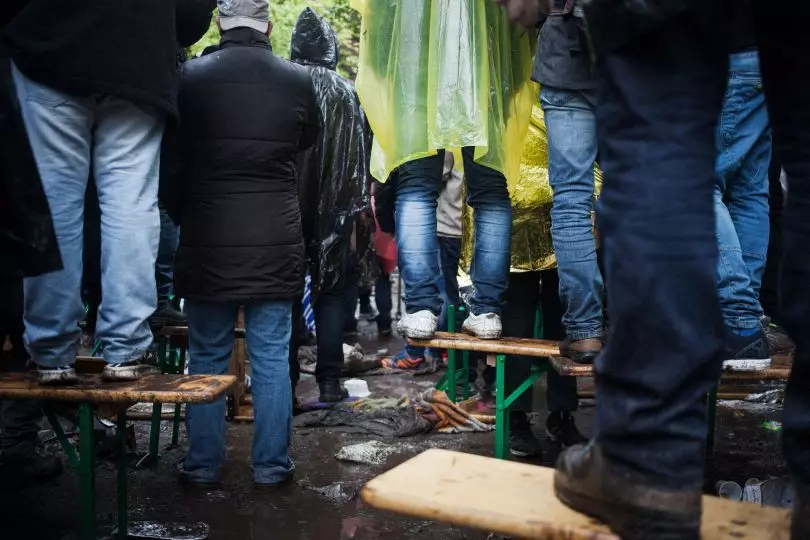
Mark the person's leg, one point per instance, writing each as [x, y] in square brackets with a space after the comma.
[351, 293]
[417, 189]
[492, 216]
[330, 311]
[769, 293]
[126, 160]
[210, 344]
[785, 58]
[59, 129]
[656, 121]
[520, 308]
[297, 322]
[268, 340]
[164, 275]
[382, 298]
[571, 127]
[561, 394]
[741, 209]
[449, 254]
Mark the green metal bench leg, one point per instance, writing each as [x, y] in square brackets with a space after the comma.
[154, 431]
[123, 507]
[501, 409]
[712, 420]
[465, 368]
[87, 472]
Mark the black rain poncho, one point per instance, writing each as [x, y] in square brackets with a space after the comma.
[28, 245]
[333, 175]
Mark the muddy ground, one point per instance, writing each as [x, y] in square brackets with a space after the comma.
[239, 511]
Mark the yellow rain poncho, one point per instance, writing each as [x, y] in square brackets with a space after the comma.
[532, 249]
[443, 74]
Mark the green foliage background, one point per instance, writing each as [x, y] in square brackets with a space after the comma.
[284, 13]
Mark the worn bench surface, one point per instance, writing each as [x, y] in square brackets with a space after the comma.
[518, 500]
[779, 370]
[151, 388]
[464, 342]
[182, 331]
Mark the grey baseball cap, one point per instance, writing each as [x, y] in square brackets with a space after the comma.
[253, 14]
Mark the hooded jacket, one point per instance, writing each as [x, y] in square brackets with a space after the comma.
[245, 115]
[334, 183]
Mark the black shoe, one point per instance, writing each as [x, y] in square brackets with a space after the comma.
[800, 523]
[332, 392]
[562, 429]
[581, 351]
[131, 371]
[522, 442]
[586, 482]
[168, 315]
[56, 376]
[25, 463]
[747, 353]
[779, 341]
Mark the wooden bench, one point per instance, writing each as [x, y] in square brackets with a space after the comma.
[518, 500]
[549, 352]
[92, 391]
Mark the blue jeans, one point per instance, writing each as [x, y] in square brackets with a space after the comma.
[571, 129]
[741, 193]
[268, 326]
[449, 255]
[122, 141]
[164, 268]
[417, 190]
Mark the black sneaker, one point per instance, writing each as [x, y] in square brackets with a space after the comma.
[562, 429]
[747, 353]
[26, 463]
[55, 376]
[131, 371]
[522, 442]
[779, 341]
[332, 392]
[168, 315]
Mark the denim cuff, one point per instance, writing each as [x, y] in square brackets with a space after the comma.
[576, 335]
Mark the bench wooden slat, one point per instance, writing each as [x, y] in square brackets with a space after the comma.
[780, 371]
[150, 388]
[182, 331]
[463, 342]
[518, 500]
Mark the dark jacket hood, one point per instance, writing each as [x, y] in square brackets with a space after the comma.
[314, 43]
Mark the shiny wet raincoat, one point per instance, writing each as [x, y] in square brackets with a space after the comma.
[444, 74]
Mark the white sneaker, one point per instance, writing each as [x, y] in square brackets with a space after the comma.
[419, 325]
[484, 326]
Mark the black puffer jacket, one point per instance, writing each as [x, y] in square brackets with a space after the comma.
[334, 173]
[245, 114]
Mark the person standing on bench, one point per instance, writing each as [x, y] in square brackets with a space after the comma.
[666, 66]
[95, 82]
[568, 97]
[334, 187]
[245, 114]
[422, 98]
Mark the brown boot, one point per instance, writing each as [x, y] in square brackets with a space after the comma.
[581, 351]
[800, 524]
[633, 510]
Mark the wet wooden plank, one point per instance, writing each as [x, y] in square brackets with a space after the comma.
[779, 371]
[517, 500]
[182, 331]
[151, 388]
[464, 342]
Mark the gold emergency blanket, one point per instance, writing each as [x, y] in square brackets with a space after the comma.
[446, 74]
[531, 194]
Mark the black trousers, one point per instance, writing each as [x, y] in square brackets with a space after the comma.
[523, 297]
[656, 122]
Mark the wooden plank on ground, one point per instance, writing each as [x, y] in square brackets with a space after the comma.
[464, 342]
[150, 388]
[518, 500]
